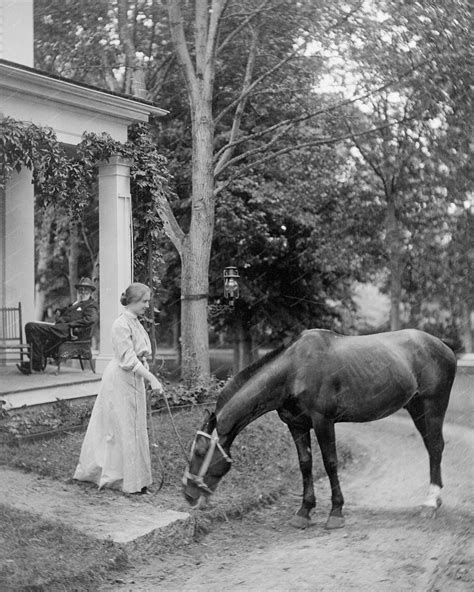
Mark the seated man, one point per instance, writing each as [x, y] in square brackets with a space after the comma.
[45, 338]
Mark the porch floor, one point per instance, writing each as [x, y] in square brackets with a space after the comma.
[40, 388]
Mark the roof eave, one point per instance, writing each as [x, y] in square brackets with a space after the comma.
[30, 81]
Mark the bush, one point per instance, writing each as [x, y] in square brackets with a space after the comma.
[63, 415]
[184, 394]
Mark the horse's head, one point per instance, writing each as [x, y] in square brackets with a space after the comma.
[208, 463]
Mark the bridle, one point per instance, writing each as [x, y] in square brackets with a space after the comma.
[214, 444]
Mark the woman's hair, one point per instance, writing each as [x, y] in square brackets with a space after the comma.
[134, 293]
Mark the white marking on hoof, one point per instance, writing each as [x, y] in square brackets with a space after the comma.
[428, 513]
[433, 500]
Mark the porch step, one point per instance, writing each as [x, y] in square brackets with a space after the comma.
[466, 361]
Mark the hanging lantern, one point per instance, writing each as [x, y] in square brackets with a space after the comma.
[231, 286]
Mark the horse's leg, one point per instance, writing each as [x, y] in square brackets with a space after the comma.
[303, 447]
[429, 422]
[326, 436]
[300, 433]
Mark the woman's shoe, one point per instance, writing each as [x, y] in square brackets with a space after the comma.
[143, 491]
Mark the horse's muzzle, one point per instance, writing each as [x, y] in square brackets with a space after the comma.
[192, 500]
[195, 497]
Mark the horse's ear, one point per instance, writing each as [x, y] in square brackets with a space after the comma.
[209, 420]
[212, 422]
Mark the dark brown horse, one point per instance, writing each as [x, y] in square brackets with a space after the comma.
[320, 379]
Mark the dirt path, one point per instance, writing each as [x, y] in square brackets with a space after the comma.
[385, 546]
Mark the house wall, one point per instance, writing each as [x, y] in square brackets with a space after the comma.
[16, 31]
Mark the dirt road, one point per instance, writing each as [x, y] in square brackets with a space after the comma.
[385, 546]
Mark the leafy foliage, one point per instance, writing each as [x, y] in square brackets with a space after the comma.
[66, 184]
[410, 61]
[61, 415]
[187, 393]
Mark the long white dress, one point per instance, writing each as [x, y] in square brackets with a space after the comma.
[115, 452]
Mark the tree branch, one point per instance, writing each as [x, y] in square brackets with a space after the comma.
[288, 149]
[161, 75]
[306, 117]
[179, 41]
[218, 7]
[127, 43]
[226, 154]
[170, 225]
[258, 80]
[242, 25]
[85, 238]
[200, 37]
[258, 149]
[364, 155]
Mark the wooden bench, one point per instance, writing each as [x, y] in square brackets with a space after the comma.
[12, 346]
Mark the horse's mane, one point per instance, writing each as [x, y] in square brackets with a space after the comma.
[241, 378]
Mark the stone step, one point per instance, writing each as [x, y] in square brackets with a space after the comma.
[43, 388]
[105, 515]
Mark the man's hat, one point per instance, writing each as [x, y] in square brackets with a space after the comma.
[85, 283]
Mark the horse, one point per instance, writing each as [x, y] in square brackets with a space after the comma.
[320, 379]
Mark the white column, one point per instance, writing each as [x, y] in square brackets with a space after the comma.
[115, 247]
[18, 244]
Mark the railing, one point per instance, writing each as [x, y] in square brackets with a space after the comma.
[12, 346]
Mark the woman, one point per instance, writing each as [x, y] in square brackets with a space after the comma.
[115, 452]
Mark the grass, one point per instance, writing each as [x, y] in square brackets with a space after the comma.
[256, 464]
[265, 464]
[39, 555]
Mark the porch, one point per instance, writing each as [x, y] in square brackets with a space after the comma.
[42, 388]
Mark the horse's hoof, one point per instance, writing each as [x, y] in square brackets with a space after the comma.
[429, 511]
[335, 522]
[201, 503]
[300, 522]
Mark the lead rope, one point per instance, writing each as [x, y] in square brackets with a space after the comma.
[183, 449]
[153, 438]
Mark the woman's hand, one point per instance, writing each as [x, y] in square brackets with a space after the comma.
[156, 385]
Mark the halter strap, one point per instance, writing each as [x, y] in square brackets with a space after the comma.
[214, 443]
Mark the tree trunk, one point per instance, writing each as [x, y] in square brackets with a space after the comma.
[466, 327]
[395, 264]
[73, 259]
[243, 347]
[194, 329]
[195, 247]
[40, 297]
[151, 309]
[175, 331]
[44, 253]
[196, 252]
